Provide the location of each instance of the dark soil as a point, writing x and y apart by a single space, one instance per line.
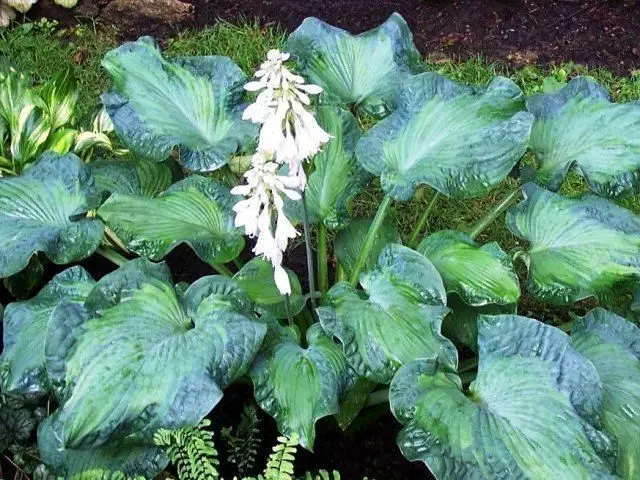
591 32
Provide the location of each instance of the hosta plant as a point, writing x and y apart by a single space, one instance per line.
38 119
431 322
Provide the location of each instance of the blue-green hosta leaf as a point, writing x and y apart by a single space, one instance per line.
514 422
25 327
579 127
461 325
336 177
43 211
513 335
60 94
396 322
613 345
133 456
111 289
479 274
190 103
134 177
299 386
162 361
363 70
461 140
579 248
196 211
256 280
349 242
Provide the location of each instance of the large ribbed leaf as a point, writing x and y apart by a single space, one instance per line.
298 386
613 345
518 419
134 177
196 211
461 325
461 140
162 360
396 322
349 242
513 335
25 326
579 127
479 274
119 284
256 280
579 248
190 103
336 176
43 211
132 456
362 70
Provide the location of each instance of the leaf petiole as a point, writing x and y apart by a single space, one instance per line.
370 240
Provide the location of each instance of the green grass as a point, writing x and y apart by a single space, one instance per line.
41 51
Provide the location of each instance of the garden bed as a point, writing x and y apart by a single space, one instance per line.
590 32
593 32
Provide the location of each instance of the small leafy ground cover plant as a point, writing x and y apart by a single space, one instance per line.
133 356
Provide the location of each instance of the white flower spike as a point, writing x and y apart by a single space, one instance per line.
289 135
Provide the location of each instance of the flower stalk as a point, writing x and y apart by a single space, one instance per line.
289 136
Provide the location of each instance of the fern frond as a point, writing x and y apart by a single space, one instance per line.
243 442
280 464
323 475
191 450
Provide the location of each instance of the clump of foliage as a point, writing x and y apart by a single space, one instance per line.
34 120
193 452
134 356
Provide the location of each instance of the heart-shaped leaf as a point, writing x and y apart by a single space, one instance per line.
396 322
43 210
507 424
613 345
192 103
461 140
196 211
133 177
298 386
361 70
479 274
162 360
256 280
25 327
336 177
579 248
579 127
